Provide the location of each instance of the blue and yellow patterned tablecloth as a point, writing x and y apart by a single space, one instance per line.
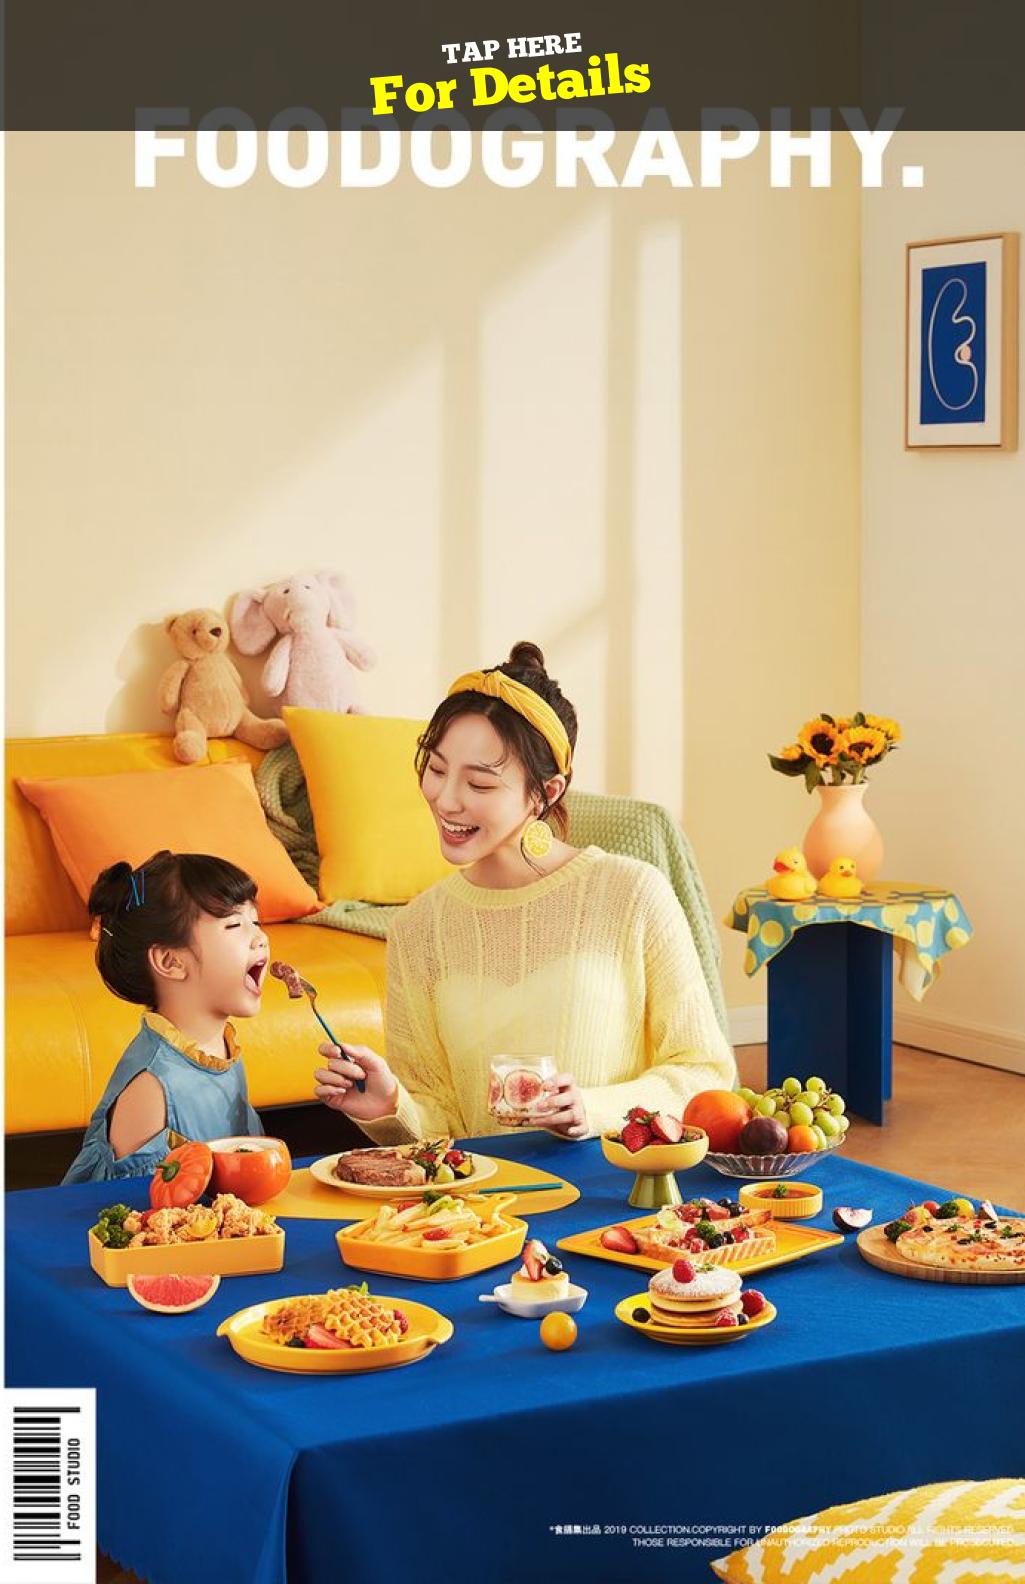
926 923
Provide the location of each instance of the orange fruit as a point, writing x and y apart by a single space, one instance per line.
801 1138
723 1116
558 1331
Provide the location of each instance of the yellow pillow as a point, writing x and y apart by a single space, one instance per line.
929 1534
99 820
377 838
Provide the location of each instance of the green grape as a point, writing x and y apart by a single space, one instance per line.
801 1115
766 1106
836 1104
791 1086
783 1117
844 1122
810 1097
820 1136
829 1125
815 1083
748 1095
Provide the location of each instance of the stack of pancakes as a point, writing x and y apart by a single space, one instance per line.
694 1303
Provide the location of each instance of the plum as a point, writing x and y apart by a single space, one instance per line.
763 1136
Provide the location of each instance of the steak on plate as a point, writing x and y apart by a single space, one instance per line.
383 1168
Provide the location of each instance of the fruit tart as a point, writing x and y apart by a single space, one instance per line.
718 1234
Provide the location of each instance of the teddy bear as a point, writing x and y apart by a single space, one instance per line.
205 693
311 614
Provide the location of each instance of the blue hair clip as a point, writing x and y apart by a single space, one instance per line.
137 880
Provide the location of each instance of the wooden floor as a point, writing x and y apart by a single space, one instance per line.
949 1123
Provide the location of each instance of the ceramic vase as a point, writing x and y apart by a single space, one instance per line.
843 828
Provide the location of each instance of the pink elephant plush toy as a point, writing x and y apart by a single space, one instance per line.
311 616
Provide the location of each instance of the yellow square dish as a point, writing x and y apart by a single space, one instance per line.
430 1264
245 1256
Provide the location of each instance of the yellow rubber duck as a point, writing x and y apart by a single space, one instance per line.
790 881
841 879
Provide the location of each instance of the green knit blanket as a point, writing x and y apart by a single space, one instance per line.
616 824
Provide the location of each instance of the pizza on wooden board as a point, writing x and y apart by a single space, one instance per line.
970 1243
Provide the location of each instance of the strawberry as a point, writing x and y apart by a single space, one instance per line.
716 1213
454 1158
752 1302
619 1240
435 1234
683 1270
741 1234
668 1129
401 1320
725 1317
636 1136
319 1336
639 1114
534 1256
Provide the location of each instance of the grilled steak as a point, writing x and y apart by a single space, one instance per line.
385 1168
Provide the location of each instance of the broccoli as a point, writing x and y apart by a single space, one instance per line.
894 1229
109 1229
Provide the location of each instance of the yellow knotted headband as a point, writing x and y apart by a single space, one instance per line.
523 699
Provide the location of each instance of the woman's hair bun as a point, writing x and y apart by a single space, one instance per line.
527 657
110 890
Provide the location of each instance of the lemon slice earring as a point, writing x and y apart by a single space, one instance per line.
536 840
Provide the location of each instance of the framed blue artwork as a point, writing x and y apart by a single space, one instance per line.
962 343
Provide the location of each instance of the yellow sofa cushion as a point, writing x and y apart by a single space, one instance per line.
96 821
65 1031
39 894
377 837
963 1528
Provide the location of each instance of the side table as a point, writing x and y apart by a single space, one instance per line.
830 966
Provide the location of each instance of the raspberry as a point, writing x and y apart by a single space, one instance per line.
752 1302
725 1317
683 1271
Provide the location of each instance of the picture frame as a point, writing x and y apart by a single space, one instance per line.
961 343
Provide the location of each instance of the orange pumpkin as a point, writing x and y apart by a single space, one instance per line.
182 1176
254 1169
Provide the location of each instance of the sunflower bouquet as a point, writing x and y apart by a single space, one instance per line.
835 750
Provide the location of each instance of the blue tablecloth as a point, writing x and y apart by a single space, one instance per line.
472 1462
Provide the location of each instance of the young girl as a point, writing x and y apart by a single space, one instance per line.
533 948
179 936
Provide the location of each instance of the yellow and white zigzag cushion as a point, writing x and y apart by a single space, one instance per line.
961 1532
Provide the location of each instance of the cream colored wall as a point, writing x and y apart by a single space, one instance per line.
622 423
943 639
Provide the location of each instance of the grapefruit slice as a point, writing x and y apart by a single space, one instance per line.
523 1089
173 1294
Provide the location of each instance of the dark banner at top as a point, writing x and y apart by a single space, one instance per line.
193 64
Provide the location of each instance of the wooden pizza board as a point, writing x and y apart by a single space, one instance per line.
875 1247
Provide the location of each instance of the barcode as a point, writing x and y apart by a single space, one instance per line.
49 1487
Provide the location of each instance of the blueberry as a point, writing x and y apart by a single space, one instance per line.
728 1237
742 1319
714 1240
295 1342
724 1204
642 1316
553 1266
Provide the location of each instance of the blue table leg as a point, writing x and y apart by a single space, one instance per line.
831 1013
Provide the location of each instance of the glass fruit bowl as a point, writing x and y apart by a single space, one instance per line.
769 1165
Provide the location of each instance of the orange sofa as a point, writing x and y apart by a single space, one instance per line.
65 1030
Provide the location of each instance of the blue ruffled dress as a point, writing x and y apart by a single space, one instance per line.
206 1099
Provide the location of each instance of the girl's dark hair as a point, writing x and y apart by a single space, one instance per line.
158 905
525 664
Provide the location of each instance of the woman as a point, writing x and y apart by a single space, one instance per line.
532 948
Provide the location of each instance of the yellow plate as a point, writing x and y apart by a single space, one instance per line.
427 1328
323 1170
792 1243
245 1256
431 1264
656 1158
693 1336
758 1196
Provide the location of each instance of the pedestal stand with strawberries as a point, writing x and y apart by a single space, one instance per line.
654 1145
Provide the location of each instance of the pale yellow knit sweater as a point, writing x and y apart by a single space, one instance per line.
593 965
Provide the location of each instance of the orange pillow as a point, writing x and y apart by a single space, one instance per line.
98 820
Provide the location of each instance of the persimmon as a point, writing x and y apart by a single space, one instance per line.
800 1139
722 1113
